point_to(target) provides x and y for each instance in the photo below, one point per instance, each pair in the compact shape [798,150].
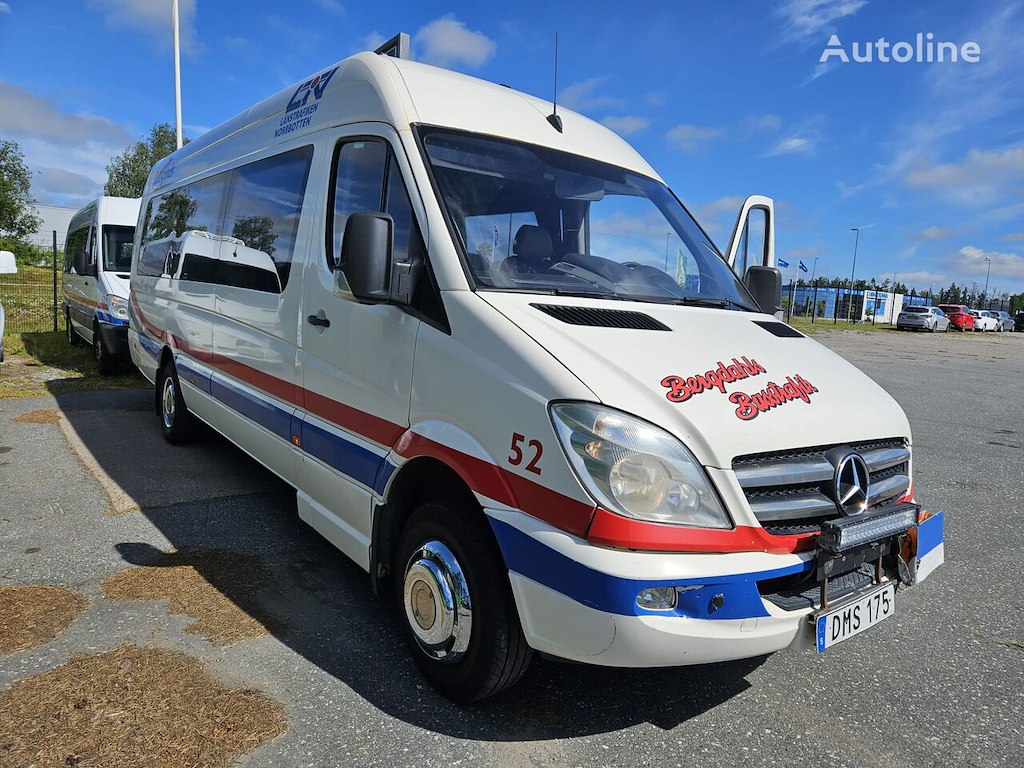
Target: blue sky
[723,99]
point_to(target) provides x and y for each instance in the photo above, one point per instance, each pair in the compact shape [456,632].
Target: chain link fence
[32,297]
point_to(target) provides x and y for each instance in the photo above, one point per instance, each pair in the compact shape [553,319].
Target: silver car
[1005,318]
[914,318]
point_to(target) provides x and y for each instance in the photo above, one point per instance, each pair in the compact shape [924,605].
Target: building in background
[51,218]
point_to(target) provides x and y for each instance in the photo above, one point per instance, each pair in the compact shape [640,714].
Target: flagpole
[177,72]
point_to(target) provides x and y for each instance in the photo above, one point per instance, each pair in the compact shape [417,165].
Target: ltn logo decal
[314,86]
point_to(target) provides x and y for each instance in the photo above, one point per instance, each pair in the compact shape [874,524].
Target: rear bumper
[578,602]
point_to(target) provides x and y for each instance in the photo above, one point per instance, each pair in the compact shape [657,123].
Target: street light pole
[853,270]
[987,273]
[177,72]
[814,268]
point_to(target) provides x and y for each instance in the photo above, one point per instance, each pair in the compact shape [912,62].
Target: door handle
[323,322]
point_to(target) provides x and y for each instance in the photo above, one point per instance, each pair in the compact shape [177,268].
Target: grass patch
[217,588]
[822,325]
[43,363]
[133,706]
[44,416]
[33,615]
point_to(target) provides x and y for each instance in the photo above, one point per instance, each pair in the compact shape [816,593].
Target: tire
[74,340]
[178,424]
[105,362]
[445,544]
[1,349]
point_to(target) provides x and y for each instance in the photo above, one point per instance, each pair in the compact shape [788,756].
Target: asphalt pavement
[939,683]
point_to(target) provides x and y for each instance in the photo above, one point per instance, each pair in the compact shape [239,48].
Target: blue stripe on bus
[349,458]
[613,594]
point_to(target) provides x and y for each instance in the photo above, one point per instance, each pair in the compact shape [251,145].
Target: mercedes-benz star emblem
[851,485]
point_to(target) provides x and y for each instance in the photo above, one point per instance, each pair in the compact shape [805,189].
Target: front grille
[790,491]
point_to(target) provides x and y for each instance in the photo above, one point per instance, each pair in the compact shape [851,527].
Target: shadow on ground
[328,613]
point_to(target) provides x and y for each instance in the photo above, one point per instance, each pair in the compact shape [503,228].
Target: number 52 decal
[517,453]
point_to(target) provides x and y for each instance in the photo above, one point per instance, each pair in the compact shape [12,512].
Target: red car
[960,317]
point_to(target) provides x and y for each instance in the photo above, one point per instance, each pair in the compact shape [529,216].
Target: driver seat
[533,250]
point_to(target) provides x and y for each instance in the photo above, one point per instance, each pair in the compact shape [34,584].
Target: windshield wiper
[588,294]
[700,301]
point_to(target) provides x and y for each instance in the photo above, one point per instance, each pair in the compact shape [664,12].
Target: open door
[753,238]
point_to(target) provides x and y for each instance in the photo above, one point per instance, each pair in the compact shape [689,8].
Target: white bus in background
[97,263]
[499,387]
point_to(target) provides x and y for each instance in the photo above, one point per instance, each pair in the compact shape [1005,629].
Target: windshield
[536,220]
[117,248]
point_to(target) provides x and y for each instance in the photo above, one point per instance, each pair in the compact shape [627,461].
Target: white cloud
[791,145]
[25,114]
[808,252]
[150,16]
[372,41]
[448,42]
[68,152]
[935,233]
[583,96]
[768,123]
[1013,237]
[717,208]
[981,178]
[920,279]
[972,260]
[4,8]
[331,6]
[626,124]
[805,20]
[692,137]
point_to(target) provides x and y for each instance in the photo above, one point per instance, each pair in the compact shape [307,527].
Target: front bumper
[578,602]
[115,337]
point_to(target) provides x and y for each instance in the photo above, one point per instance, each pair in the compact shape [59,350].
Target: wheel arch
[418,481]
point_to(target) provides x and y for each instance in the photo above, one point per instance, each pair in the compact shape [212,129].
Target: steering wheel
[655,277]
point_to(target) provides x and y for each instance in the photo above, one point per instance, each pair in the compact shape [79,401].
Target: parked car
[984,321]
[930,319]
[1018,321]
[7,267]
[960,317]
[1005,319]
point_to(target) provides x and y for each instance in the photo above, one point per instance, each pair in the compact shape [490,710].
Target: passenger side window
[408,241]
[192,208]
[263,216]
[358,182]
[76,243]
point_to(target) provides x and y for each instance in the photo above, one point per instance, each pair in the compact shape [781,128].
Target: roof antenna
[553,118]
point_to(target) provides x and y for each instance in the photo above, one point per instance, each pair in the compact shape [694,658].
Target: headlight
[636,469]
[118,306]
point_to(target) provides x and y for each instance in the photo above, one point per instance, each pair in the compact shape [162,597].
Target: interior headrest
[532,244]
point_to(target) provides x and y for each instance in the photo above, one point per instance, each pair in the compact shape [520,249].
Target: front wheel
[458,614]
[179,425]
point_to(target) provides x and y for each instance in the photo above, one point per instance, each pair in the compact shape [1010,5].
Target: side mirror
[765,285]
[80,261]
[8,265]
[364,270]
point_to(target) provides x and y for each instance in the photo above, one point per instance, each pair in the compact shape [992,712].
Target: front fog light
[657,598]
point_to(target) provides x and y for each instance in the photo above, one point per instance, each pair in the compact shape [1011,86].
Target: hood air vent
[780,329]
[602,318]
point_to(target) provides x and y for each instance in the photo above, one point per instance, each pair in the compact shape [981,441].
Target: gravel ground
[939,683]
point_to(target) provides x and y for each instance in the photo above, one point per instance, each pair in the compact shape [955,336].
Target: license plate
[840,624]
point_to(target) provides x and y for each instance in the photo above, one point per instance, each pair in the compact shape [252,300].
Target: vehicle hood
[810,396]
[116,285]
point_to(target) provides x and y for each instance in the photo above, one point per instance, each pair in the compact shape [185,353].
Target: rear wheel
[179,425]
[458,614]
[73,338]
[105,361]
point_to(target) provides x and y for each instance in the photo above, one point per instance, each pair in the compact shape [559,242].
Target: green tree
[256,232]
[17,215]
[127,172]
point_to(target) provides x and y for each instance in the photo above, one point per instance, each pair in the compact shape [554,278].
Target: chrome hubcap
[437,602]
[167,403]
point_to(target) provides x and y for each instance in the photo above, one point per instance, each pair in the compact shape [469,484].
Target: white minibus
[97,260]
[510,376]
